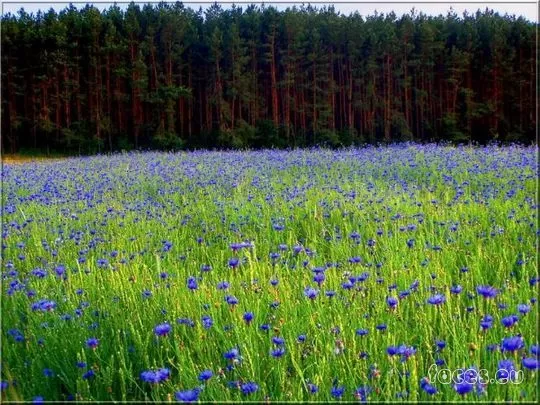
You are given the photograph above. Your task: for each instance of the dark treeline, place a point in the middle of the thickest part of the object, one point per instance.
(166, 76)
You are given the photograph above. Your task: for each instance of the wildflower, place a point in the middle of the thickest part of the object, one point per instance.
(47, 372)
(509, 321)
(506, 370)
(486, 322)
(162, 329)
(92, 343)
(427, 387)
(188, 396)
(192, 283)
(248, 317)
(89, 374)
(232, 354)
(463, 387)
(311, 293)
(456, 289)
(530, 363)
(441, 344)
(147, 294)
(436, 299)
(319, 278)
(406, 352)
(280, 351)
(337, 392)
(391, 350)
(512, 343)
(524, 308)
(362, 393)
(312, 388)
(207, 321)
(205, 375)
(249, 388)
(487, 291)
(392, 302)
(155, 377)
(361, 332)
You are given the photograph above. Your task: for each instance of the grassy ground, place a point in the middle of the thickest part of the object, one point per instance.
(368, 263)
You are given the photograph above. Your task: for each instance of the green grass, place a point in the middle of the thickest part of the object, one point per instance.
(225, 198)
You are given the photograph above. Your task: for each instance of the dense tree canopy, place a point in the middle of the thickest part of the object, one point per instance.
(166, 76)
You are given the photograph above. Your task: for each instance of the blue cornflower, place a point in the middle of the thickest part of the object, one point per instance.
(162, 329)
(223, 285)
(456, 289)
(187, 396)
(362, 393)
(206, 267)
(312, 388)
(248, 317)
(155, 377)
(391, 350)
(47, 372)
(89, 374)
(436, 299)
(427, 387)
(301, 338)
(506, 371)
(280, 351)
(147, 294)
(512, 343)
(92, 343)
(278, 340)
(249, 388)
(231, 300)
(319, 278)
(392, 302)
(406, 352)
(311, 292)
(205, 375)
(337, 392)
(361, 332)
(207, 321)
(524, 308)
(530, 363)
(487, 291)
(486, 322)
(463, 387)
(232, 354)
(192, 283)
(509, 321)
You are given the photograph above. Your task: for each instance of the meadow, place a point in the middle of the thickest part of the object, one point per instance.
(399, 273)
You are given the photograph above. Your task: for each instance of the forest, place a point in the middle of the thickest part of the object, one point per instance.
(165, 76)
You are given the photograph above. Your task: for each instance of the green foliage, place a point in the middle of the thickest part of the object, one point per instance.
(217, 78)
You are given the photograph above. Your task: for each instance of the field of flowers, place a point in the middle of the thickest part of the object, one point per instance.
(384, 273)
